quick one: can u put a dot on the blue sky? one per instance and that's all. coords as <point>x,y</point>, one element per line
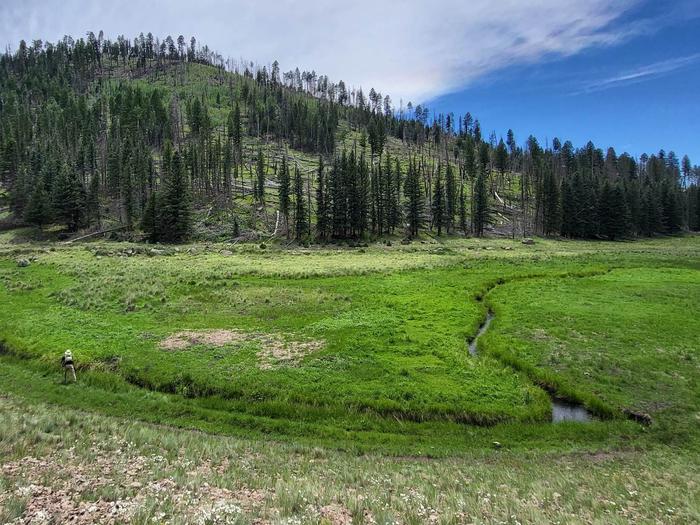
<point>639,95</point>
<point>624,73</point>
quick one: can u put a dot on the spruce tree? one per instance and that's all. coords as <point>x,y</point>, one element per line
<point>38,209</point>
<point>284,190</point>
<point>260,178</point>
<point>69,199</point>
<point>481,213</point>
<point>175,204</point>
<point>93,200</point>
<point>450,197</point>
<point>672,217</point>
<point>551,206</point>
<point>438,204</point>
<point>301,226</point>
<point>150,220</point>
<point>612,212</point>
<point>323,215</point>
<point>414,204</point>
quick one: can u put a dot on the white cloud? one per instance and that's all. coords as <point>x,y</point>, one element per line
<point>412,49</point>
<point>641,74</point>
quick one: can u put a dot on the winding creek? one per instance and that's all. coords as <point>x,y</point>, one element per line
<point>562,410</point>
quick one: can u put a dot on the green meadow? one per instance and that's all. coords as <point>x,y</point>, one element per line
<point>366,348</point>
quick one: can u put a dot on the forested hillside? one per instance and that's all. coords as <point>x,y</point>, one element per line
<point>166,140</point>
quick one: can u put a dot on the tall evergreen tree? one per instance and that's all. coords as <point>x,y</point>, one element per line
<point>323,211</point>
<point>612,212</point>
<point>414,205</point>
<point>301,224</point>
<point>69,199</point>
<point>284,192</point>
<point>451,197</point>
<point>38,209</point>
<point>260,178</point>
<point>481,213</point>
<point>175,204</point>
<point>438,204</point>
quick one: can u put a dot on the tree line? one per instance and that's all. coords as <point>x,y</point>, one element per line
<point>80,140</point>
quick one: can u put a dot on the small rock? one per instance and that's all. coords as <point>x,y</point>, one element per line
<point>527,240</point>
<point>154,251</point>
<point>226,253</point>
<point>23,263</point>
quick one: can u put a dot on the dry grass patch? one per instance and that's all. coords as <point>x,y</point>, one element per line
<point>274,350</point>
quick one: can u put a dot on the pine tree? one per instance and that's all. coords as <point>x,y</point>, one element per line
<point>672,217</point>
<point>338,194</point>
<point>235,130</point>
<point>260,178</point>
<point>323,215</point>
<point>69,199</point>
<point>414,205</point>
<point>150,219</point>
<point>438,204</point>
<point>175,204</point>
<point>284,187</point>
<point>481,213</point>
<point>551,205</point>
<point>38,209</point>
<point>450,198</point>
<point>568,209</point>
<point>612,212</point>
<point>395,181</point>
<point>301,226</point>
<point>93,200</point>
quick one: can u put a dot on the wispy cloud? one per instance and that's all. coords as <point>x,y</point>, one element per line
<point>413,49</point>
<point>640,74</point>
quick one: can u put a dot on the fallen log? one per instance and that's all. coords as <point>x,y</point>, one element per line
<point>94,234</point>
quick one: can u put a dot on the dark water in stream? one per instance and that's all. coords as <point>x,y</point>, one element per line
<point>561,410</point>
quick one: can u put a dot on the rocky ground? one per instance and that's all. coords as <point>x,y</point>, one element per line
<point>66,466</point>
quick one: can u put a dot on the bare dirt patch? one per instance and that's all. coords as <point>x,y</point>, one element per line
<point>336,514</point>
<point>274,351</point>
<point>216,338</point>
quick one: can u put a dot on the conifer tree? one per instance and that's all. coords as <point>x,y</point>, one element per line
<point>481,214</point>
<point>612,211</point>
<point>235,130</point>
<point>301,228</point>
<point>323,212</point>
<point>93,200</point>
<point>175,204</point>
<point>260,178</point>
<point>395,211</point>
<point>551,205</point>
<point>414,205</point>
<point>672,217</point>
<point>284,190</point>
<point>438,204</point>
<point>38,209</point>
<point>69,199</point>
<point>150,220</point>
<point>450,197</point>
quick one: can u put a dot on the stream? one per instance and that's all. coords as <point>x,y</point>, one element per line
<point>562,410</point>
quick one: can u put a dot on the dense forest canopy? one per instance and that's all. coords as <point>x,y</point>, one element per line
<point>145,133</point>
